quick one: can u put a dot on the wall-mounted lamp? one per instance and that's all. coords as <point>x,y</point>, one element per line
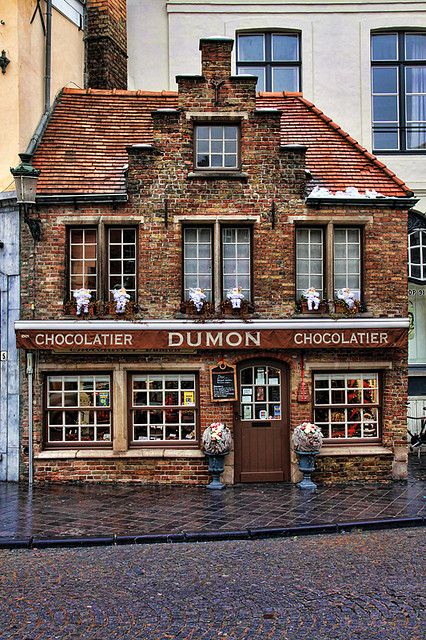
<point>4,61</point>
<point>26,177</point>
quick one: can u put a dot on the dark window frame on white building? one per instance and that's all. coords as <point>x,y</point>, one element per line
<point>219,280</point>
<point>328,259</point>
<point>398,89</point>
<point>107,251</point>
<point>417,255</point>
<point>265,61</point>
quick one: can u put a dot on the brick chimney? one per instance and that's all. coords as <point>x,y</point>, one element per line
<point>106,44</point>
<point>216,57</point>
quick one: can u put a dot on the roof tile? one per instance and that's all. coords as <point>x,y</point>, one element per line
<point>83,149</point>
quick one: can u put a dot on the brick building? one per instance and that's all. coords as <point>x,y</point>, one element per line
<point>213,186</point>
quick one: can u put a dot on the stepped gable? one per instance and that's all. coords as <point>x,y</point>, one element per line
<point>83,149</point>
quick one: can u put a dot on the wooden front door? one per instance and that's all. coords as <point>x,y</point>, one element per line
<point>261,423</point>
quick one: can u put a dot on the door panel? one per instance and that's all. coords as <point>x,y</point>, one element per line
<point>261,423</point>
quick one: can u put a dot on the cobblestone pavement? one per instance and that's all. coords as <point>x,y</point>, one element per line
<point>96,510</point>
<point>357,586</point>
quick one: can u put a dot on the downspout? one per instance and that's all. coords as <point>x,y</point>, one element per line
<point>30,374</point>
<point>48,56</point>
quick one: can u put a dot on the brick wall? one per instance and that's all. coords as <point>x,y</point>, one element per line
<point>106,44</point>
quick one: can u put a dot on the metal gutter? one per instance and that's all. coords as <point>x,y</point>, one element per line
<point>73,198</point>
<point>220,325</point>
<point>390,203</point>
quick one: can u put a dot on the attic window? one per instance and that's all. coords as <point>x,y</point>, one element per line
<point>217,146</point>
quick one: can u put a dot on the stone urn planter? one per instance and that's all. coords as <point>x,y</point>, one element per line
<point>216,444</point>
<point>307,441</point>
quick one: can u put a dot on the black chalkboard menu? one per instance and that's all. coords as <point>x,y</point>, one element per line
<point>223,383</point>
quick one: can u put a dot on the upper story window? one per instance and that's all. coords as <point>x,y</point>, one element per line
<point>311,261</point>
<point>224,251</point>
<point>417,255</point>
<point>399,91</point>
<point>102,265</point>
<point>216,146</point>
<point>273,57</point>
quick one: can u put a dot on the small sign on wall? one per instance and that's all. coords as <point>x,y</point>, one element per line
<point>3,355</point>
<point>223,383</point>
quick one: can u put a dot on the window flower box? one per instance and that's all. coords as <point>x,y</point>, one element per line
<point>245,309</point>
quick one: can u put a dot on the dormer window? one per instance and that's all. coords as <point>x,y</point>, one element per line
<point>217,146</point>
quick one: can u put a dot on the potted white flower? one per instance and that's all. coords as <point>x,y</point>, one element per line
<point>216,443</point>
<point>307,441</point>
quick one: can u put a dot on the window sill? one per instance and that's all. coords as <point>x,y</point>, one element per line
<point>355,450</point>
<point>80,454</point>
<point>217,175</point>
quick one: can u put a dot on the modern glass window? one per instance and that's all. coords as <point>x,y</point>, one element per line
<point>122,259</point>
<point>78,409</point>
<point>417,255</point>
<point>83,256</point>
<point>198,260</point>
<point>102,266</point>
<point>399,91</point>
<point>273,57</point>
<point>216,146</point>
<point>346,405</point>
<point>236,252</point>
<point>309,260</point>
<point>347,260</point>
<point>163,407</point>
<point>233,262</point>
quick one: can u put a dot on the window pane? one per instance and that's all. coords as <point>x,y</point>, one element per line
<point>285,79</point>
<point>122,260</point>
<point>385,79</point>
<point>83,260</point>
<point>251,48</point>
<point>384,46</point>
<point>385,108</point>
<point>236,262</point>
<point>415,46</point>
<point>416,137</point>
<point>254,71</point>
<point>198,260</point>
<point>285,47</point>
<point>309,260</point>
<point>386,139</point>
<point>415,79</point>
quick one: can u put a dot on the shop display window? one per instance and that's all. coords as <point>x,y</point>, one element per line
<point>346,405</point>
<point>78,409</point>
<point>163,408</point>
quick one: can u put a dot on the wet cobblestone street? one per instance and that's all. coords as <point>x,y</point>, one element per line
<point>362,586</point>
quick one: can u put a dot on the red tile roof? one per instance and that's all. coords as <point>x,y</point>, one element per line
<point>83,149</point>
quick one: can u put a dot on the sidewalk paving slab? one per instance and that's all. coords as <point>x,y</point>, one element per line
<point>104,514</point>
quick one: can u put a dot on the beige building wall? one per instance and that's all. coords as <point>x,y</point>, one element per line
<point>163,41</point>
<point>22,86</point>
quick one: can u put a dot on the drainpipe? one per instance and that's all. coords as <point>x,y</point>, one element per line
<point>48,55</point>
<point>30,373</point>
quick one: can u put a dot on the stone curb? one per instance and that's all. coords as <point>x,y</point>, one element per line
<point>261,533</point>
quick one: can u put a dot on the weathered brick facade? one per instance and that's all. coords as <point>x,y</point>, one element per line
<point>268,192</point>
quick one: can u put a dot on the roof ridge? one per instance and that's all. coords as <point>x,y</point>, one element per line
<point>119,92</point>
<point>370,156</point>
<point>279,94</point>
